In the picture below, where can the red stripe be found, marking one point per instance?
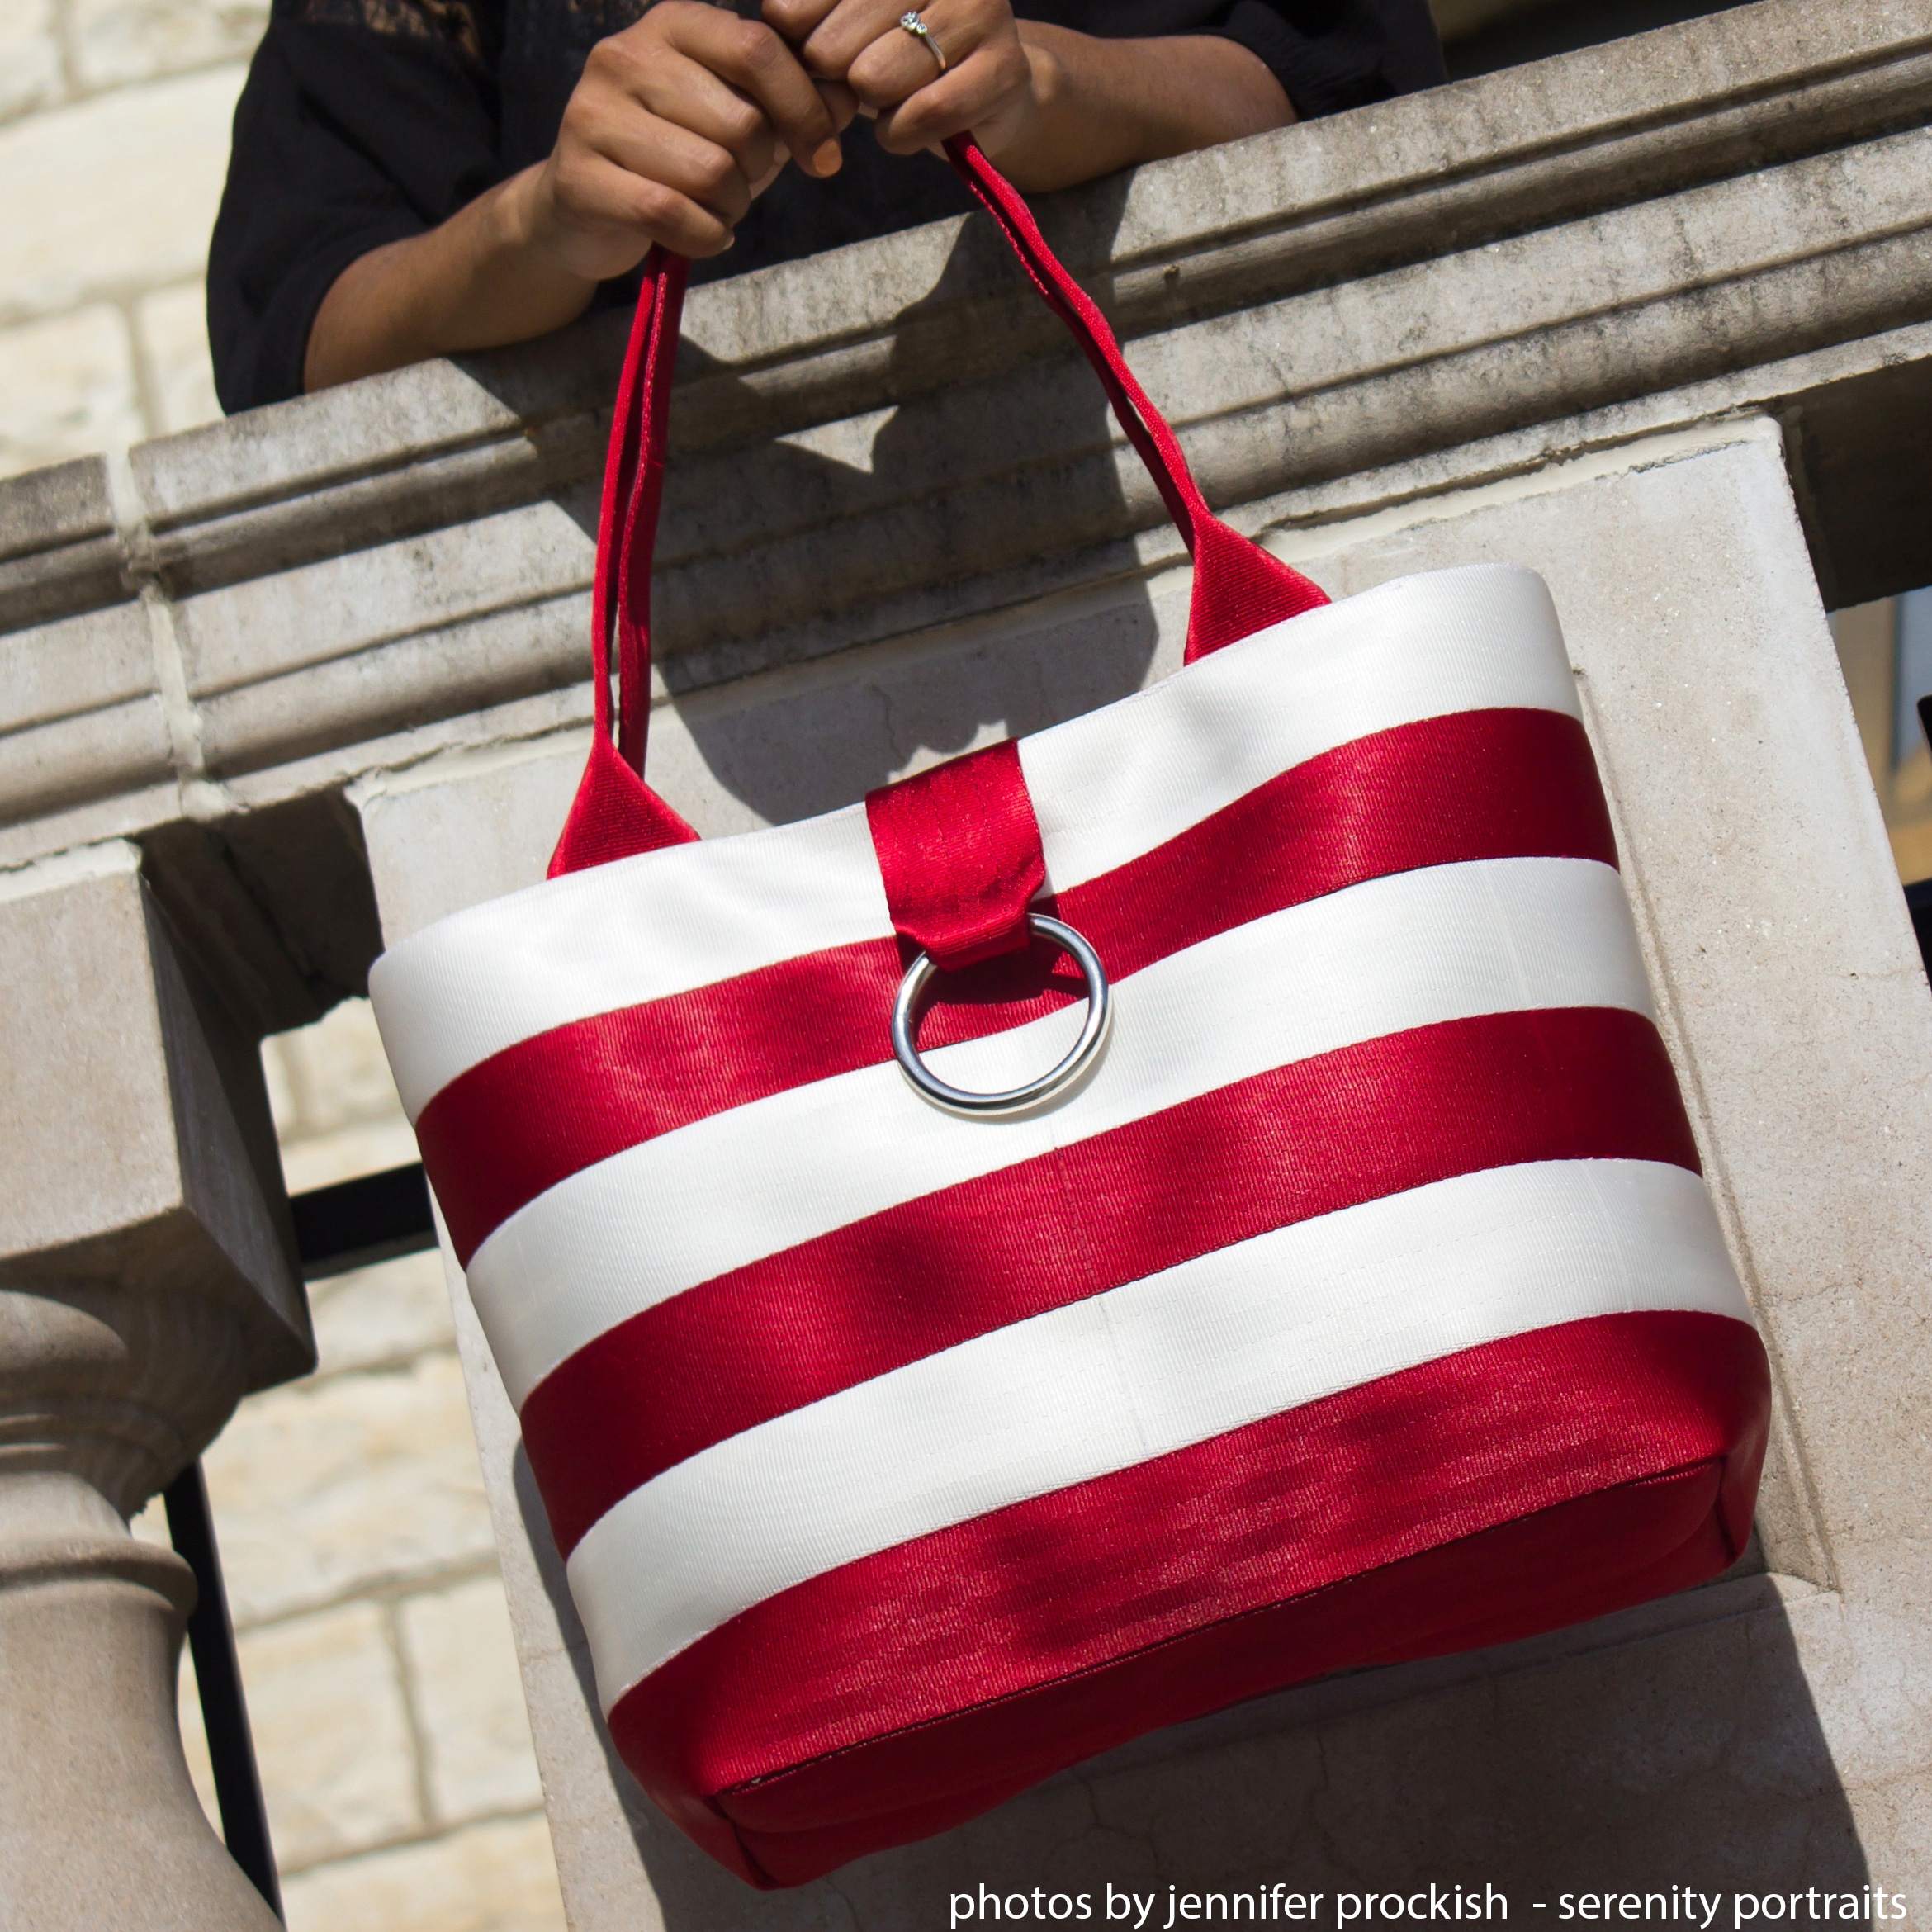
(1349, 1126)
(1624, 1452)
(1488, 784)
(1569, 1549)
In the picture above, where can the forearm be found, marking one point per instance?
(1103, 105)
(679, 123)
(477, 282)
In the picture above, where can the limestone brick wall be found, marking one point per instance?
(113, 120)
(1886, 677)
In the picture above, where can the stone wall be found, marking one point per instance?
(114, 118)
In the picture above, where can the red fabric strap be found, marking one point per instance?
(1239, 588)
(615, 814)
(958, 849)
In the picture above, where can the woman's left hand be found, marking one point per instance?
(989, 83)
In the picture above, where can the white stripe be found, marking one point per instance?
(1114, 1381)
(1106, 788)
(449, 996)
(1392, 954)
(1120, 782)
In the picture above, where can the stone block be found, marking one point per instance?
(80, 713)
(116, 41)
(70, 759)
(514, 803)
(134, 1129)
(94, 663)
(194, 1740)
(493, 1878)
(150, 1525)
(67, 384)
(327, 1487)
(172, 328)
(381, 1316)
(347, 604)
(55, 509)
(103, 1826)
(121, 189)
(337, 437)
(469, 1700)
(61, 553)
(30, 58)
(522, 651)
(332, 1734)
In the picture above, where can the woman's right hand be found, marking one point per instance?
(678, 123)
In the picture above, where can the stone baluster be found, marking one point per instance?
(146, 1284)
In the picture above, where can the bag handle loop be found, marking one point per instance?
(1238, 587)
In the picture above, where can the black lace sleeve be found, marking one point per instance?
(363, 122)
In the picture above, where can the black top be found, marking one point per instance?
(366, 121)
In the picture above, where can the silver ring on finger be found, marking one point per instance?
(913, 24)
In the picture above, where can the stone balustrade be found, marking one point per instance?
(1655, 317)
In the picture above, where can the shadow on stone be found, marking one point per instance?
(879, 494)
(990, 472)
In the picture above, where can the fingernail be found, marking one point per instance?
(827, 160)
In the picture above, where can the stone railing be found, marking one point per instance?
(1655, 318)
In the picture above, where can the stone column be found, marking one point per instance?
(146, 1283)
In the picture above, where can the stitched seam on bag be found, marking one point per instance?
(715, 1804)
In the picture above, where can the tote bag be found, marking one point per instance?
(1108, 1226)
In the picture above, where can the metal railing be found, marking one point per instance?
(353, 1224)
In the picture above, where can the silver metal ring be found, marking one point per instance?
(911, 23)
(956, 1099)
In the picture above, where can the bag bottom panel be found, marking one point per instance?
(1510, 1490)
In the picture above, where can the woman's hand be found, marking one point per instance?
(678, 123)
(1051, 106)
(989, 83)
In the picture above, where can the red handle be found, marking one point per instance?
(1238, 587)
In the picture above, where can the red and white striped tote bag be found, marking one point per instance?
(1329, 1279)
